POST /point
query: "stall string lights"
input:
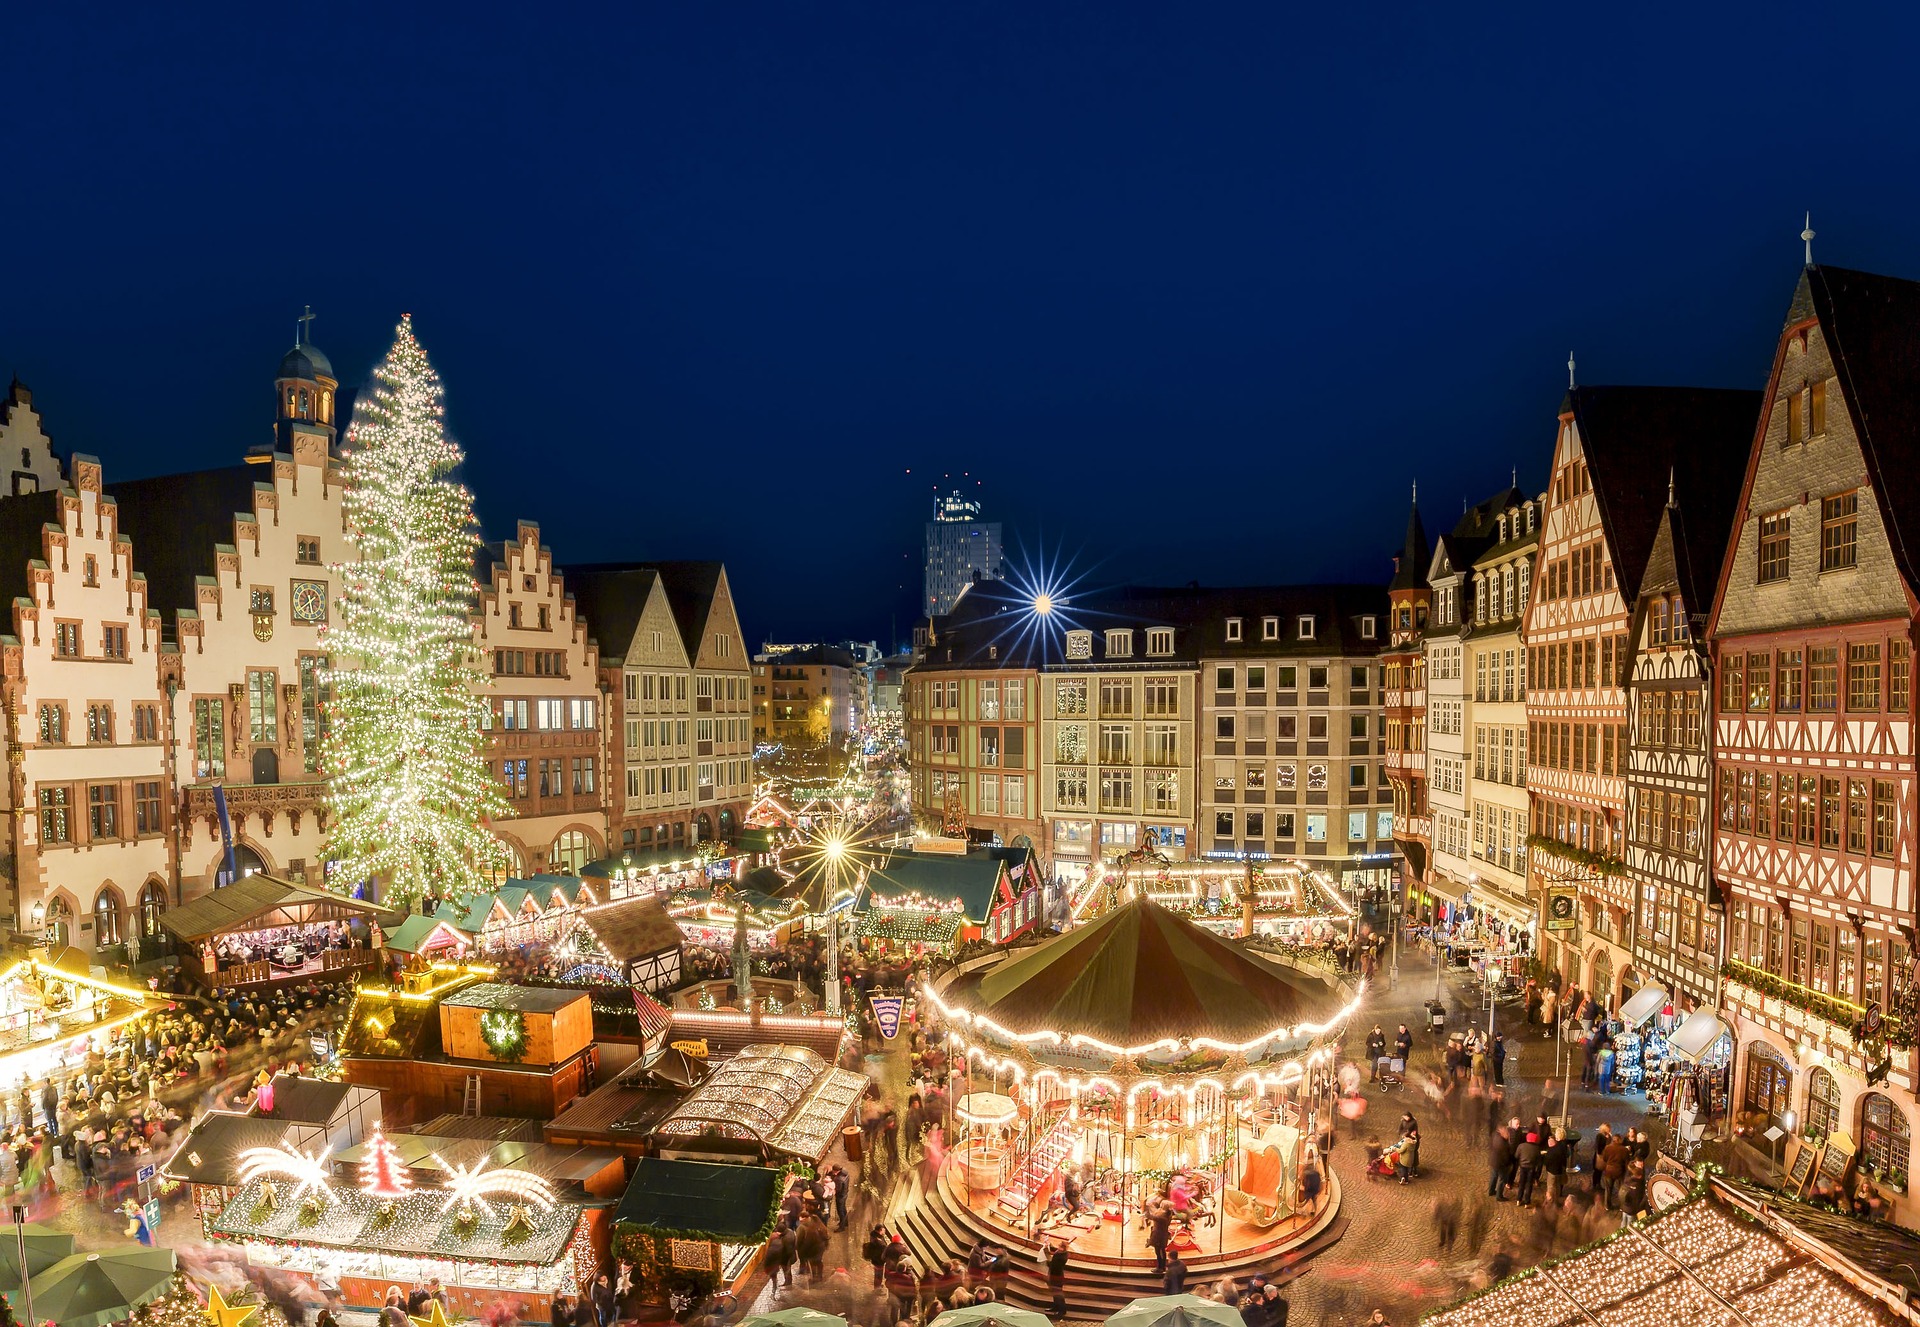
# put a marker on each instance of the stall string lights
(308, 1170)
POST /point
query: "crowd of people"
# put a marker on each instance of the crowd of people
(91, 1129)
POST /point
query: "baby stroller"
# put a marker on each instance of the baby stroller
(1389, 1072)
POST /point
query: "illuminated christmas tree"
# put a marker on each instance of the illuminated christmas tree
(381, 1174)
(408, 789)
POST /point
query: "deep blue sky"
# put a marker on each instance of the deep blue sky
(1191, 291)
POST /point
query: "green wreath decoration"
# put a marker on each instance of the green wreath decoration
(505, 1032)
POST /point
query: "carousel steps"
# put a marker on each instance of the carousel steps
(939, 1228)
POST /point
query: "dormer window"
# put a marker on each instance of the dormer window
(1303, 626)
(1120, 643)
(1160, 641)
(1233, 628)
(1368, 627)
(1269, 628)
(1079, 645)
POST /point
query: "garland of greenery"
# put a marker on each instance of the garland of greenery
(1894, 1030)
(505, 1032)
(1598, 862)
(650, 1250)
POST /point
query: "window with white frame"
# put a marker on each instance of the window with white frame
(1303, 626)
(1120, 643)
(1269, 628)
(1233, 628)
(1160, 640)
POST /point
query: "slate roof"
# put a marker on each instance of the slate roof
(211, 1152)
(305, 1100)
(499, 995)
(1633, 438)
(633, 928)
(1410, 569)
(1872, 329)
(23, 523)
(177, 522)
(993, 625)
(610, 600)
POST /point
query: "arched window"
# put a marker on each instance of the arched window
(512, 870)
(106, 916)
(59, 922)
(570, 852)
(153, 902)
(246, 862)
(1769, 1083)
(1823, 1103)
(1884, 1137)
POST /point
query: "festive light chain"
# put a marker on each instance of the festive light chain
(1080, 1040)
(309, 1172)
(409, 790)
(465, 1185)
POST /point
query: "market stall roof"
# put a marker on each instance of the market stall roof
(1880, 1247)
(1690, 1263)
(565, 1164)
(633, 928)
(1643, 1004)
(420, 1226)
(1699, 1030)
(1143, 974)
(298, 1100)
(644, 859)
(615, 1112)
(783, 1097)
(210, 1153)
(416, 932)
(732, 1203)
(754, 839)
(500, 995)
(973, 878)
(258, 901)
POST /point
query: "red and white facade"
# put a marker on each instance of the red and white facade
(1813, 639)
(1577, 660)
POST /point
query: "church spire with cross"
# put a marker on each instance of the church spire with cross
(304, 391)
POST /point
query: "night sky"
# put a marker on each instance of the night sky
(1186, 291)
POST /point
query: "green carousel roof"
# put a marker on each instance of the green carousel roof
(1141, 974)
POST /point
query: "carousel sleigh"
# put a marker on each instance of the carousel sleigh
(1262, 1172)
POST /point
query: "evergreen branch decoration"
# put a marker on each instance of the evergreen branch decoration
(505, 1032)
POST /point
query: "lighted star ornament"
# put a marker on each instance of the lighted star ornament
(436, 1316)
(222, 1314)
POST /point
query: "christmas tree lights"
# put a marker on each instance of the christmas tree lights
(409, 791)
(381, 1174)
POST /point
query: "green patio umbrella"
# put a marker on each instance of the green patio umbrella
(94, 1289)
(45, 1247)
(1170, 1311)
(991, 1315)
(784, 1318)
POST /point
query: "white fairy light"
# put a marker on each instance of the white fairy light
(309, 1172)
(473, 1185)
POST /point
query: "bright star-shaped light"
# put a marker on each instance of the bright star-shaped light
(1043, 603)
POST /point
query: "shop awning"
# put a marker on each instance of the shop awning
(1643, 1004)
(1700, 1030)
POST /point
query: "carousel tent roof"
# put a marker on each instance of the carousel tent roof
(633, 928)
(260, 900)
(1142, 974)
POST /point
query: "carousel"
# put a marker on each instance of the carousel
(1140, 1071)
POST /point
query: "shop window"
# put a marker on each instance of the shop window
(1823, 1103)
(1769, 1084)
(1884, 1137)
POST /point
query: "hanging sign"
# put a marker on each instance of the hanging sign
(886, 1012)
(1563, 909)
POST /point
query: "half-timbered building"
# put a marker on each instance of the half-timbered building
(1403, 666)
(1612, 454)
(1677, 922)
(1812, 635)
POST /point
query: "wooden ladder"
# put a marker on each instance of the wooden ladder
(470, 1096)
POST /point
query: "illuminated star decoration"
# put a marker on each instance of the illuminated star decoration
(309, 1172)
(472, 1186)
(436, 1316)
(838, 853)
(1040, 594)
(222, 1314)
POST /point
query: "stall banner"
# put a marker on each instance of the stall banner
(886, 1012)
(226, 832)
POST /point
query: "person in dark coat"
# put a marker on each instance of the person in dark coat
(1159, 1231)
(1376, 1048)
(812, 1248)
(1611, 1169)
(1526, 1167)
(779, 1257)
(1499, 1059)
(1056, 1256)
(1175, 1280)
(875, 1252)
(606, 1305)
(1499, 1162)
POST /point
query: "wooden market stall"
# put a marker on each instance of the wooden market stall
(633, 942)
(264, 931)
(696, 1221)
